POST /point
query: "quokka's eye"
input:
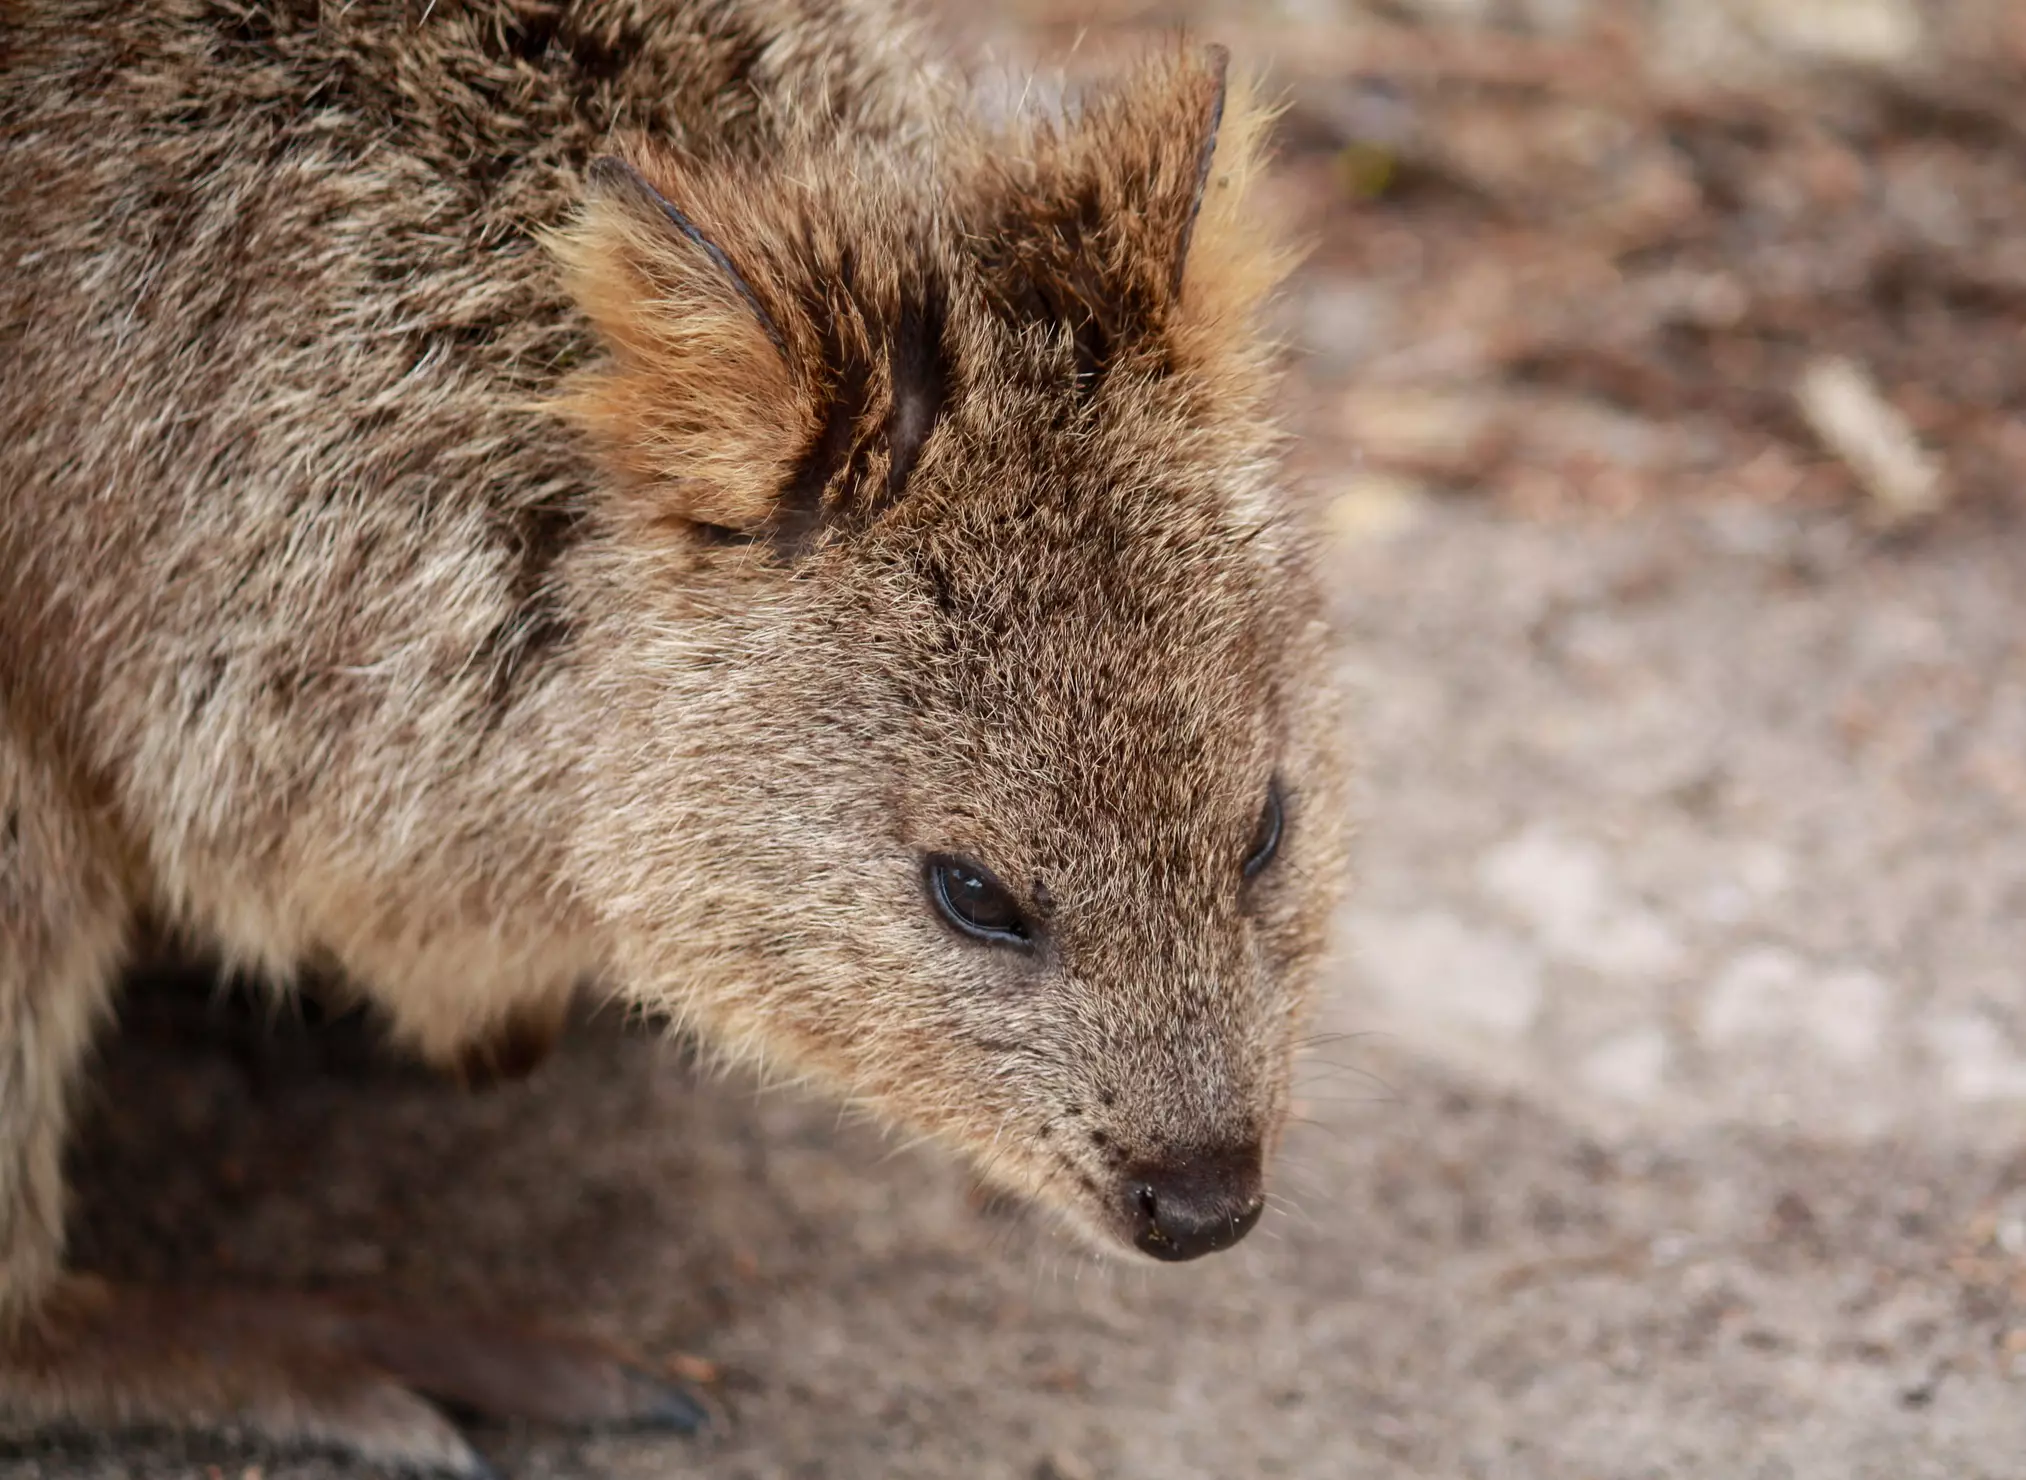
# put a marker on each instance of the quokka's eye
(1266, 835)
(972, 899)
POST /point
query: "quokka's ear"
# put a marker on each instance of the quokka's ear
(1130, 223)
(702, 401)
(1238, 250)
(777, 334)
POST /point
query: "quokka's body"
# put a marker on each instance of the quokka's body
(498, 497)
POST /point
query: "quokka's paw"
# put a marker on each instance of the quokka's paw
(301, 1371)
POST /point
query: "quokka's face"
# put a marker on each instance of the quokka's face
(1112, 823)
(1043, 832)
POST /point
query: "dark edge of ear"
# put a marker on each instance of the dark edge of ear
(609, 171)
(920, 375)
(1219, 58)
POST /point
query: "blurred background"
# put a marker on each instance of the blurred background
(1661, 374)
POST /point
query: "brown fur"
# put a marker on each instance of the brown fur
(424, 559)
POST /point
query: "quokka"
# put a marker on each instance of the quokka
(499, 498)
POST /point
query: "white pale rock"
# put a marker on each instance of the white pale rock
(1774, 1001)
(1562, 888)
(1753, 879)
(1849, 1016)
(1559, 17)
(1752, 999)
(1631, 1066)
(1632, 941)
(1554, 884)
(1765, 870)
(1724, 903)
(1977, 1057)
(1373, 507)
(1433, 966)
(1873, 32)
(1464, 12)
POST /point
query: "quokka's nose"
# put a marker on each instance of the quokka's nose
(1194, 1202)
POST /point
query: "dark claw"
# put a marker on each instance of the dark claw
(658, 1403)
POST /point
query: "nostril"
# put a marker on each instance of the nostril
(1149, 1205)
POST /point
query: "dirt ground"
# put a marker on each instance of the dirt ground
(1670, 1119)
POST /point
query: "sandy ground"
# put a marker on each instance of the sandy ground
(1674, 1132)
(1668, 1124)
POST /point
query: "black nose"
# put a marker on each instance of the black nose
(1194, 1203)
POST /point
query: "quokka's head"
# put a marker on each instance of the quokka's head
(970, 751)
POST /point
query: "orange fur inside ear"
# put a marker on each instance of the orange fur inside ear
(698, 402)
(1238, 256)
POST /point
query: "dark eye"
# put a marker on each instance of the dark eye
(972, 899)
(1266, 835)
